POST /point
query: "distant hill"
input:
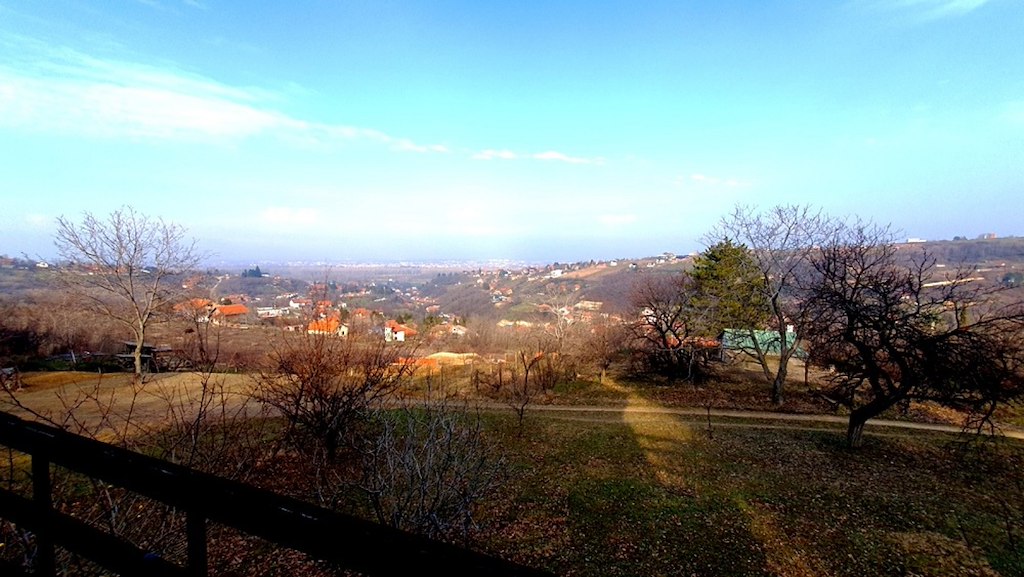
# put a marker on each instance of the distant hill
(978, 252)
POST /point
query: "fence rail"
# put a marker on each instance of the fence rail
(350, 542)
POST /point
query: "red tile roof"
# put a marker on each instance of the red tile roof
(231, 310)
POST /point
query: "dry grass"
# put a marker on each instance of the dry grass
(661, 498)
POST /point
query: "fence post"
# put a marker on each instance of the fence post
(195, 534)
(42, 498)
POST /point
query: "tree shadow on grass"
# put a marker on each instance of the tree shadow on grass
(617, 495)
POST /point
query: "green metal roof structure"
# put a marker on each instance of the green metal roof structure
(768, 341)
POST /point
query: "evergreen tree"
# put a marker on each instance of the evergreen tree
(730, 287)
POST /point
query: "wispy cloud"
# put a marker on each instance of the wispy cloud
(558, 156)
(550, 155)
(932, 9)
(65, 91)
(406, 145)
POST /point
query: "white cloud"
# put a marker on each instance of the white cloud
(406, 145)
(64, 91)
(491, 154)
(553, 155)
(67, 92)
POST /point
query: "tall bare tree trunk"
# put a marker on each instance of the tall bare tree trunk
(779, 383)
(137, 356)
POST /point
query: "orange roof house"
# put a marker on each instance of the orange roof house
(328, 326)
(225, 311)
(234, 313)
(396, 328)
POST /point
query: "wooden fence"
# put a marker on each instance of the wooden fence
(346, 541)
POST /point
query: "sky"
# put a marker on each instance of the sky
(543, 131)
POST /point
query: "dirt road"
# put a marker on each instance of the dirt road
(180, 391)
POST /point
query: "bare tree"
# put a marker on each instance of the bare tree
(897, 329)
(668, 326)
(122, 265)
(608, 337)
(323, 384)
(781, 241)
(425, 468)
(523, 385)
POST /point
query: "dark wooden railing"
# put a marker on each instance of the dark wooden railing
(347, 541)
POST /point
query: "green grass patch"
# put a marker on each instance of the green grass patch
(622, 498)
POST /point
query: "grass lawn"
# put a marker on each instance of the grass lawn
(658, 497)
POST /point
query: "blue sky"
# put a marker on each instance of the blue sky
(544, 131)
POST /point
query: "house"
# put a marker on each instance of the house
(393, 330)
(743, 341)
(329, 326)
(271, 312)
(448, 330)
(226, 314)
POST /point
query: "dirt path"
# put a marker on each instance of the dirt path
(654, 412)
(180, 389)
(749, 415)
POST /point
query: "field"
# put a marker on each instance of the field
(628, 490)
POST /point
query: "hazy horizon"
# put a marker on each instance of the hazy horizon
(390, 131)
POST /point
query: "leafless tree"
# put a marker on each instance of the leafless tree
(122, 265)
(323, 384)
(667, 329)
(426, 467)
(523, 386)
(897, 329)
(606, 339)
(207, 425)
(782, 240)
